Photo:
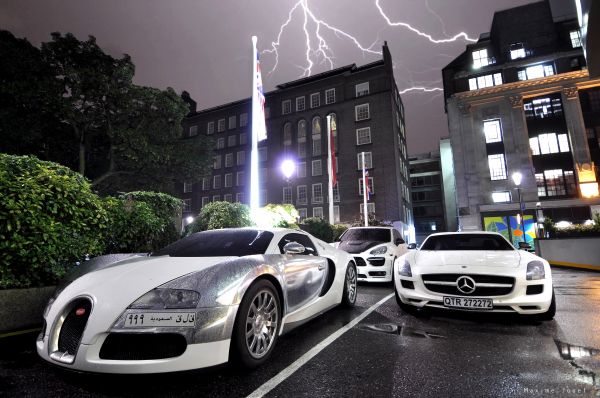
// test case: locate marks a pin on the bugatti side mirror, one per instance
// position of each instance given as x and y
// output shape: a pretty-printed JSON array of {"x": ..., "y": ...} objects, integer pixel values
[
  {"x": 293, "y": 248},
  {"x": 411, "y": 246}
]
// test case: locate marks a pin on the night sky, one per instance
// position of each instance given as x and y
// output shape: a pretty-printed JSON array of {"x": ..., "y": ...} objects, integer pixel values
[{"x": 204, "y": 46}]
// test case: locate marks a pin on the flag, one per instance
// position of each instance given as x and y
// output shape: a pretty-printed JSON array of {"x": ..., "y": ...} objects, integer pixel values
[{"x": 258, "y": 103}]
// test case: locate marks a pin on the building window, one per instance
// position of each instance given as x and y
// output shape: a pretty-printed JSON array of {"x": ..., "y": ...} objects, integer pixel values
[
  {"x": 243, "y": 120},
  {"x": 187, "y": 186},
  {"x": 301, "y": 195},
  {"x": 302, "y": 139},
  {"x": 287, "y": 137},
  {"x": 575, "y": 36},
  {"x": 536, "y": 71},
  {"x": 286, "y": 107},
  {"x": 501, "y": 197},
  {"x": 231, "y": 140},
  {"x": 492, "y": 130},
  {"x": 210, "y": 128},
  {"x": 497, "y": 166},
  {"x": 336, "y": 214},
  {"x": 480, "y": 58},
  {"x": 315, "y": 100},
  {"x": 330, "y": 96},
  {"x": 243, "y": 139},
  {"x": 368, "y": 160},
  {"x": 370, "y": 208},
  {"x": 228, "y": 197},
  {"x": 517, "y": 51},
  {"x": 240, "y": 178},
  {"x": 221, "y": 125},
  {"x": 216, "y": 198},
  {"x": 262, "y": 154},
  {"x": 205, "y": 184},
  {"x": 371, "y": 186},
  {"x": 316, "y": 168},
  {"x": 193, "y": 131},
  {"x": 187, "y": 205},
  {"x": 549, "y": 143},
  {"x": 221, "y": 143},
  {"x": 317, "y": 193},
  {"x": 362, "y": 89},
  {"x": 318, "y": 212},
  {"x": 554, "y": 182},
  {"x": 205, "y": 200},
  {"x": 363, "y": 136},
  {"x": 217, "y": 182},
  {"x": 287, "y": 195},
  {"x": 302, "y": 214},
  {"x": 239, "y": 197},
  {"x": 229, "y": 160},
  {"x": 485, "y": 81},
  {"x": 316, "y": 136},
  {"x": 361, "y": 112},
  {"x": 217, "y": 162},
  {"x": 541, "y": 108},
  {"x": 300, "y": 104},
  {"x": 232, "y": 120},
  {"x": 241, "y": 158},
  {"x": 541, "y": 186},
  {"x": 336, "y": 193},
  {"x": 228, "y": 180},
  {"x": 301, "y": 169}
]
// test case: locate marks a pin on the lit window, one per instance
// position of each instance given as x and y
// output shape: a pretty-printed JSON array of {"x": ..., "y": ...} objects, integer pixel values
[
  {"x": 548, "y": 143},
  {"x": 301, "y": 195},
  {"x": 220, "y": 143},
  {"x": 480, "y": 58},
  {"x": 541, "y": 184},
  {"x": 497, "y": 166},
  {"x": 287, "y": 195},
  {"x": 485, "y": 81},
  {"x": 240, "y": 178},
  {"x": 336, "y": 214},
  {"x": 363, "y": 136},
  {"x": 232, "y": 120},
  {"x": 563, "y": 142},
  {"x": 210, "y": 128},
  {"x": 362, "y": 89},
  {"x": 300, "y": 104},
  {"x": 492, "y": 130},
  {"x": 187, "y": 186},
  {"x": 315, "y": 100},
  {"x": 301, "y": 169},
  {"x": 501, "y": 197},
  {"x": 221, "y": 125},
  {"x": 330, "y": 96},
  {"x": 317, "y": 193},
  {"x": 368, "y": 160},
  {"x": 318, "y": 212},
  {"x": 317, "y": 168},
  {"x": 534, "y": 145},
  {"x": 536, "y": 71},
  {"x": 193, "y": 131},
  {"x": 243, "y": 120},
  {"x": 541, "y": 108},
  {"x": 241, "y": 158},
  {"x": 555, "y": 185},
  {"x": 286, "y": 107},
  {"x": 217, "y": 182},
  {"x": 228, "y": 180},
  {"x": 575, "y": 38},
  {"x": 316, "y": 136},
  {"x": 361, "y": 112},
  {"x": 517, "y": 51},
  {"x": 231, "y": 140},
  {"x": 370, "y": 208},
  {"x": 302, "y": 138}
]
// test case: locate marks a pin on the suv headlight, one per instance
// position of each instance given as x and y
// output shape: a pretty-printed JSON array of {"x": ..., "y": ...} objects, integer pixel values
[
  {"x": 404, "y": 269},
  {"x": 165, "y": 299},
  {"x": 535, "y": 271},
  {"x": 379, "y": 250}
]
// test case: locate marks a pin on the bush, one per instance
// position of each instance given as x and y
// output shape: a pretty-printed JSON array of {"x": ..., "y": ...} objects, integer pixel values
[
  {"x": 217, "y": 215},
  {"x": 49, "y": 219},
  {"x": 338, "y": 230},
  {"x": 282, "y": 216},
  {"x": 319, "y": 228},
  {"x": 573, "y": 231}
]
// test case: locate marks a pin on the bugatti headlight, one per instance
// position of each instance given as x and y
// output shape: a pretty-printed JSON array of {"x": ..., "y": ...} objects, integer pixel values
[
  {"x": 165, "y": 299},
  {"x": 404, "y": 269},
  {"x": 535, "y": 271},
  {"x": 380, "y": 250}
]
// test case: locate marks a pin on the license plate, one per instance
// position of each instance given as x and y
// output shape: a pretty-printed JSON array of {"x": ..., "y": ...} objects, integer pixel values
[
  {"x": 469, "y": 303},
  {"x": 160, "y": 319}
]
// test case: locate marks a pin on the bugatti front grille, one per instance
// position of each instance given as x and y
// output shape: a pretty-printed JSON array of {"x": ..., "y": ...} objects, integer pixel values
[
  {"x": 66, "y": 334},
  {"x": 142, "y": 346},
  {"x": 476, "y": 285}
]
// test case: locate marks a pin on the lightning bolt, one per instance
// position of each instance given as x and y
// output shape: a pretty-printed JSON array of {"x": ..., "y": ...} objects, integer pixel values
[{"x": 317, "y": 50}]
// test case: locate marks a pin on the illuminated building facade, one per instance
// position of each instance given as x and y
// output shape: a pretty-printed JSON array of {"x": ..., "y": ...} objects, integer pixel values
[{"x": 521, "y": 100}]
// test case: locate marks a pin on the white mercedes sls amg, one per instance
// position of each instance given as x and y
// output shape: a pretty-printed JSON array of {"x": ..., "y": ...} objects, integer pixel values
[
  {"x": 208, "y": 298},
  {"x": 474, "y": 271}
]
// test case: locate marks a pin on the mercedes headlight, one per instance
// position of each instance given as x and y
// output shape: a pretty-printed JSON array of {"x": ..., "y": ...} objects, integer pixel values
[
  {"x": 165, "y": 299},
  {"x": 535, "y": 271},
  {"x": 404, "y": 269},
  {"x": 379, "y": 250}
]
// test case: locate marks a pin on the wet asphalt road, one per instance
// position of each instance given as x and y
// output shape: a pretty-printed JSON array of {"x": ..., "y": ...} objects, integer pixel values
[{"x": 389, "y": 353}]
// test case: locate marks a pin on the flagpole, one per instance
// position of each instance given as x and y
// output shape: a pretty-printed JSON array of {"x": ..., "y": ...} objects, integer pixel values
[
  {"x": 254, "y": 183},
  {"x": 330, "y": 171},
  {"x": 365, "y": 186}
]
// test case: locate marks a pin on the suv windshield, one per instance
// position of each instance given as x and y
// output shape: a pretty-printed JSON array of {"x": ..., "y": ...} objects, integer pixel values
[
  {"x": 219, "y": 243},
  {"x": 367, "y": 234},
  {"x": 466, "y": 242}
]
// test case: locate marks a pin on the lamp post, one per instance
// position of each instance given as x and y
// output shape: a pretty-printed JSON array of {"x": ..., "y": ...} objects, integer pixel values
[{"x": 517, "y": 178}]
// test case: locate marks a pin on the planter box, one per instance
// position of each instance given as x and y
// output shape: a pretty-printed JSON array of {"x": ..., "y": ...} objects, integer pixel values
[
  {"x": 23, "y": 308},
  {"x": 581, "y": 252}
]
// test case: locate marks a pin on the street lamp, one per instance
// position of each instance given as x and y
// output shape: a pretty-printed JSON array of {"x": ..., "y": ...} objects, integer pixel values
[
  {"x": 287, "y": 168},
  {"x": 517, "y": 178}
]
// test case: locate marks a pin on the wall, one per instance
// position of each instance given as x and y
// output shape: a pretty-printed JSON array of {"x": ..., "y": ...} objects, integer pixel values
[{"x": 571, "y": 252}]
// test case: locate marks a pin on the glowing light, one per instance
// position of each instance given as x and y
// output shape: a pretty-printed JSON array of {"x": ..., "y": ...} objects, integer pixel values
[
  {"x": 589, "y": 189},
  {"x": 563, "y": 224},
  {"x": 287, "y": 168},
  {"x": 189, "y": 219},
  {"x": 517, "y": 178}
]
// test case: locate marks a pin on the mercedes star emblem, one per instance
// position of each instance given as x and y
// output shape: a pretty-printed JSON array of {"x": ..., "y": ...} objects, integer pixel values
[{"x": 465, "y": 284}]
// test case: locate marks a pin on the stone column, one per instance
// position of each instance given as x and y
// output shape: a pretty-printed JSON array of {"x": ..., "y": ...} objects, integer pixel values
[{"x": 575, "y": 125}]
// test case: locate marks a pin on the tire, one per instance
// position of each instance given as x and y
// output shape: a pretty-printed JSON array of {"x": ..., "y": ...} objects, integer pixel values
[
  {"x": 256, "y": 325},
  {"x": 548, "y": 315},
  {"x": 350, "y": 286}
]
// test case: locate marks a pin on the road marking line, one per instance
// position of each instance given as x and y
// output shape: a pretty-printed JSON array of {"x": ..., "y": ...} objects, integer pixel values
[{"x": 287, "y": 372}]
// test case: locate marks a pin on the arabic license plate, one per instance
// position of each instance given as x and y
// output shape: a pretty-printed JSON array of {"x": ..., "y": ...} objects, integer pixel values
[
  {"x": 471, "y": 303},
  {"x": 160, "y": 319}
]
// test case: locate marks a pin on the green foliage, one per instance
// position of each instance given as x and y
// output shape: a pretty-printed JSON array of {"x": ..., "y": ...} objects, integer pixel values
[
  {"x": 338, "y": 230},
  {"x": 573, "y": 231},
  {"x": 217, "y": 215},
  {"x": 280, "y": 215},
  {"x": 49, "y": 219},
  {"x": 319, "y": 228}
]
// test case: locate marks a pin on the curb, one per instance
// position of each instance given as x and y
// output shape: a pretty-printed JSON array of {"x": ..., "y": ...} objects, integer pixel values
[{"x": 565, "y": 264}]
